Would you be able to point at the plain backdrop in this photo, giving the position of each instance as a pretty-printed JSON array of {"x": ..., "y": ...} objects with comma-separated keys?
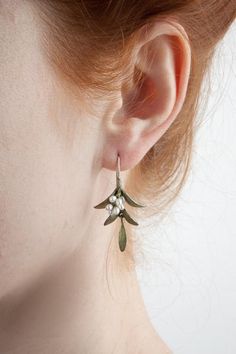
[{"x": 189, "y": 277}]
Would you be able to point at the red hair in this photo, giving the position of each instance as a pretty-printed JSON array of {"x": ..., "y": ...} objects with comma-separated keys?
[{"x": 89, "y": 43}]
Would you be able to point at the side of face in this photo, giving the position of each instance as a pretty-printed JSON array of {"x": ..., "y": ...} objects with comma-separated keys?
[
  {"x": 43, "y": 191},
  {"x": 54, "y": 146}
]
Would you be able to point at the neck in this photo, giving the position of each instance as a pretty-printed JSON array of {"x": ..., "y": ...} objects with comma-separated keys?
[{"x": 88, "y": 303}]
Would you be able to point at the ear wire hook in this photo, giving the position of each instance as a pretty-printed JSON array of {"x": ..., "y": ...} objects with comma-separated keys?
[{"x": 118, "y": 180}]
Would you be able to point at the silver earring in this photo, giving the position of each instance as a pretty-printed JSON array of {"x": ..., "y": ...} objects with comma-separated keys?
[{"x": 114, "y": 204}]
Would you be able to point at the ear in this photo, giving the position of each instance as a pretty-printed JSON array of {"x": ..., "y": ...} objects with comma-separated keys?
[{"x": 162, "y": 55}]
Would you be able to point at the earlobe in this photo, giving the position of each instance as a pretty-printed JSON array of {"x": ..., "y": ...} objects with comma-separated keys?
[{"x": 149, "y": 106}]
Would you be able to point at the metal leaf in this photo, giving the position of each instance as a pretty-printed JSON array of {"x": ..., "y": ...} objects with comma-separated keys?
[
  {"x": 130, "y": 201},
  {"x": 128, "y": 218},
  {"x": 122, "y": 237},
  {"x": 105, "y": 202},
  {"x": 110, "y": 219}
]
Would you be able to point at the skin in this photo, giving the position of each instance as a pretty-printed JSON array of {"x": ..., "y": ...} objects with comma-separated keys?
[{"x": 58, "y": 293}]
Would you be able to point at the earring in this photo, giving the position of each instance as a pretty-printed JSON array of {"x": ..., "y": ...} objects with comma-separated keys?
[{"x": 114, "y": 204}]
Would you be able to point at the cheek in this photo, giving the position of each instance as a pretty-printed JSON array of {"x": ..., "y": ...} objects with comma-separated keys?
[{"x": 42, "y": 193}]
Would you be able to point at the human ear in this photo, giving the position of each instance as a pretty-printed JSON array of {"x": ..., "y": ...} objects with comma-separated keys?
[{"x": 162, "y": 55}]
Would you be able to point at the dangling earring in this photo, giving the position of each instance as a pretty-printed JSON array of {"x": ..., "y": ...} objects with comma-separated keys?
[{"x": 114, "y": 204}]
